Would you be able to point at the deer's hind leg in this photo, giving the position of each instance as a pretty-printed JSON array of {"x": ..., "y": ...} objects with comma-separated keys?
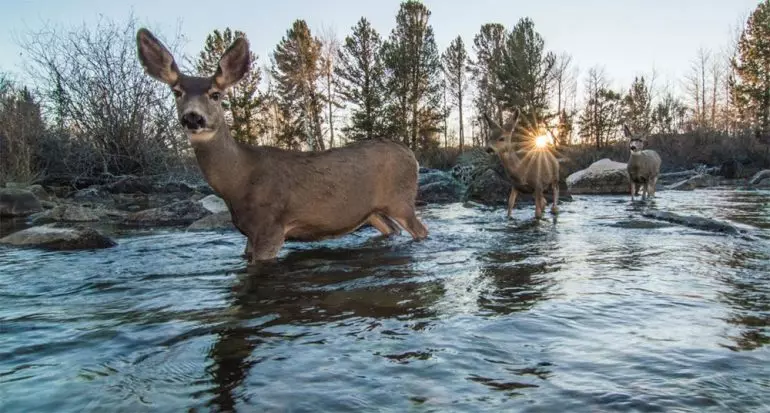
[
  {"x": 405, "y": 215},
  {"x": 555, "y": 206},
  {"x": 266, "y": 241},
  {"x": 384, "y": 224},
  {"x": 539, "y": 203}
]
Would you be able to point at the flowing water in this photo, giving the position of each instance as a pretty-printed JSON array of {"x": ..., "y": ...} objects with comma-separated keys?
[{"x": 602, "y": 310}]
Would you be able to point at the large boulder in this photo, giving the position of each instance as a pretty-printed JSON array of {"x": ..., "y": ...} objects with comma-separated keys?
[
  {"x": 438, "y": 187},
  {"x": 695, "y": 182},
  {"x": 56, "y": 237},
  {"x": 218, "y": 221},
  {"x": 603, "y": 177},
  {"x": 65, "y": 213},
  {"x": 178, "y": 213},
  {"x": 16, "y": 202},
  {"x": 213, "y": 204}
]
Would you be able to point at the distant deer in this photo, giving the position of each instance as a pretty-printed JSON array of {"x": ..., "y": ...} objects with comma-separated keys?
[
  {"x": 643, "y": 165},
  {"x": 274, "y": 194},
  {"x": 532, "y": 170}
]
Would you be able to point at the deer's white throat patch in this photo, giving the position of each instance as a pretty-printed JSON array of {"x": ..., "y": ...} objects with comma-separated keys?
[{"x": 201, "y": 136}]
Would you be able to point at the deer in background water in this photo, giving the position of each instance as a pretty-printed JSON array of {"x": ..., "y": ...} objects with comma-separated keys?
[
  {"x": 273, "y": 194},
  {"x": 643, "y": 165},
  {"x": 532, "y": 170}
]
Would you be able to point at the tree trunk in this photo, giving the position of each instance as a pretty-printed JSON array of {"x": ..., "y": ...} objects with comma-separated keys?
[{"x": 460, "y": 109}]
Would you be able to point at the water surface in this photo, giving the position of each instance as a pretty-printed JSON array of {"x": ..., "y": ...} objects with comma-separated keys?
[{"x": 602, "y": 310}]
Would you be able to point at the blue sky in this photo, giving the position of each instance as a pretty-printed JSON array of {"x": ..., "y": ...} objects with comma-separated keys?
[{"x": 627, "y": 37}]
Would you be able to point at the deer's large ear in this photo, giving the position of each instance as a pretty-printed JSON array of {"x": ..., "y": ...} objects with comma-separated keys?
[
  {"x": 513, "y": 121},
  {"x": 234, "y": 64},
  {"x": 155, "y": 58},
  {"x": 627, "y": 131},
  {"x": 492, "y": 124}
]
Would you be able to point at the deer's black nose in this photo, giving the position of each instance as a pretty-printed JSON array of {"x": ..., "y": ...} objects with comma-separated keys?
[{"x": 192, "y": 120}]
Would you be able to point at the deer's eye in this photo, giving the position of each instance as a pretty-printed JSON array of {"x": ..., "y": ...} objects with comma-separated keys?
[
  {"x": 215, "y": 95},
  {"x": 177, "y": 93}
]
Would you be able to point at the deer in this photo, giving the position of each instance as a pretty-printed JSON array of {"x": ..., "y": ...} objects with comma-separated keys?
[
  {"x": 276, "y": 195},
  {"x": 532, "y": 170},
  {"x": 643, "y": 165}
]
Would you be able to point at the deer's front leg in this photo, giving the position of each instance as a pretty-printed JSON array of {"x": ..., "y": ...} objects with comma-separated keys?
[
  {"x": 512, "y": 200},
  {"x": 247, "y": 252},
  {"x": 555, "y": 207},
  {"x": 633, "y": 190},
  {"x": 266, "y": 241},
  {"x": 539, "y": 204}
]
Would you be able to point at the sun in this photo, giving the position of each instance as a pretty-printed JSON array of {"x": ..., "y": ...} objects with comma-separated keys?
[{"x": 542, "y": 141}]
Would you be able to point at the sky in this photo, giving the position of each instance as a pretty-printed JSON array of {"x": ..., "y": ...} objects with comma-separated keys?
[{"x": 625, "y": 37}]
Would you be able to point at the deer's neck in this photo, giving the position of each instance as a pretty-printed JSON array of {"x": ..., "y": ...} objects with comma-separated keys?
[
  {"x": 510, "y": 160},
  {"x": 221, "y": 161}
]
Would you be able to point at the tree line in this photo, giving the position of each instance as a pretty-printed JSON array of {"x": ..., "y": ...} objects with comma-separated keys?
[{"x": 95, "y": 111}]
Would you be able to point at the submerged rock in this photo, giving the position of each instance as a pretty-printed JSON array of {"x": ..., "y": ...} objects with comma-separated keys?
[
  {"x": 220, "y": 220},
  {"x": 603, "y": 177},
  {"x": 761, "y": 177},
  {"x": 16, "y": 202},
  {"x": 706, "y": 224},
  {"x": 55, "y": 237}
]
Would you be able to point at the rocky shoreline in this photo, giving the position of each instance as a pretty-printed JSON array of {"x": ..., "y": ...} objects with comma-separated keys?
[{"x": 63, "y": 217}]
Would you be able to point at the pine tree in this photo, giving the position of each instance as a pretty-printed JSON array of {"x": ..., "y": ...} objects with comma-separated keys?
[
  {"x": 361, "y": 79},
  {"x": 242, "y": 101},
  {"x": 525, "y": 74},
  {"x": 488, "y": 47},
  {"x": 412, "y": 60},
  {"x": 751, "y": 89},
  {"x": 455, "y": 60},
  {"x": 297, "y": 72},
  {"x": 637, "y": 105}
]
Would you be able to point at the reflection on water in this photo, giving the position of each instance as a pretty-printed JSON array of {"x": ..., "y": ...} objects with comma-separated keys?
[{"x": 601, "y": 310}]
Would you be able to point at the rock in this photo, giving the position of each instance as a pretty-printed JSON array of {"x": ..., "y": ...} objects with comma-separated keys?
[
  {"x": 697, "y": 181},
  {"x": 178, "y": 213},
  {"x": 604, "y": 176},
  {"x": 706, "y": 224},
  {"x": 174, "y": 187},
  {"x": 220, "y": 220},
  {"x": 65, "y": 213},
  {"x": 489, "y": 188},
  {"x": 438, "y": 187},
  {"x": 760, "y": 177},
  {"x": 55, "y": 237},
  {"x": 213, "y": 204},
  {"x": 130, "y": 185},
  {"x": 91, "y": 194},
  {"x": 18, "y": 203},
  {"x": 39, "y": 192}
]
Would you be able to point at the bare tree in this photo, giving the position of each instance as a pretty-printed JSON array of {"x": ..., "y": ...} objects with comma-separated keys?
[
  {"x": 330, "y": 46},
  {"x": 92, "y": 81}
]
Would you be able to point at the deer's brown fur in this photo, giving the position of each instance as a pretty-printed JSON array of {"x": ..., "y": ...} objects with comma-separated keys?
[
  {"x": 274, "y": 194},
  {"x": 643, "y": 165},
  {"x": 532, "y": 170}
]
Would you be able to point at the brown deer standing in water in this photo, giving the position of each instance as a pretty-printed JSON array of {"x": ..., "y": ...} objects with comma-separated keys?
[
  {"x": 532, "y": 170},
  {"x": 276, "y": 195},
  {"x": 643, "y": 165}
]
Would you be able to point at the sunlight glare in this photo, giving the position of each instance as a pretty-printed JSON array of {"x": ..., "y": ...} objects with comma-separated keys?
[{"x": 542, "y": 141}]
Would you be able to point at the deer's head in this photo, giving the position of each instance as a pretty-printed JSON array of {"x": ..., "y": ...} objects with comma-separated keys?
[
  {"x": 501, "y": 139},
  {"x": 198, "y": 99},
  {"x": 636, "y": 141}
]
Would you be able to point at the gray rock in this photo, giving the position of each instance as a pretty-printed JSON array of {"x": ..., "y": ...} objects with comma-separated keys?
[
  {"x": 213, "y": 204},
  {"x": 56, "y": 237},
  {"x": 220, "y": 220},
  {"x": 65, "y": 213},
  {"x": 603, "y": 177},
  {"x": 178, "y": 213},
  {"x": 39, "y": 192},
  {"x": 130, "y": 185},
  {"x": 436, "y": 187},
  {"x": 16, "y": 202}
]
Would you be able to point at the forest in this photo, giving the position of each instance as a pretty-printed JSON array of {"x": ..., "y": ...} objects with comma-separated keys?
[{"x": 86, "y": 107}]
